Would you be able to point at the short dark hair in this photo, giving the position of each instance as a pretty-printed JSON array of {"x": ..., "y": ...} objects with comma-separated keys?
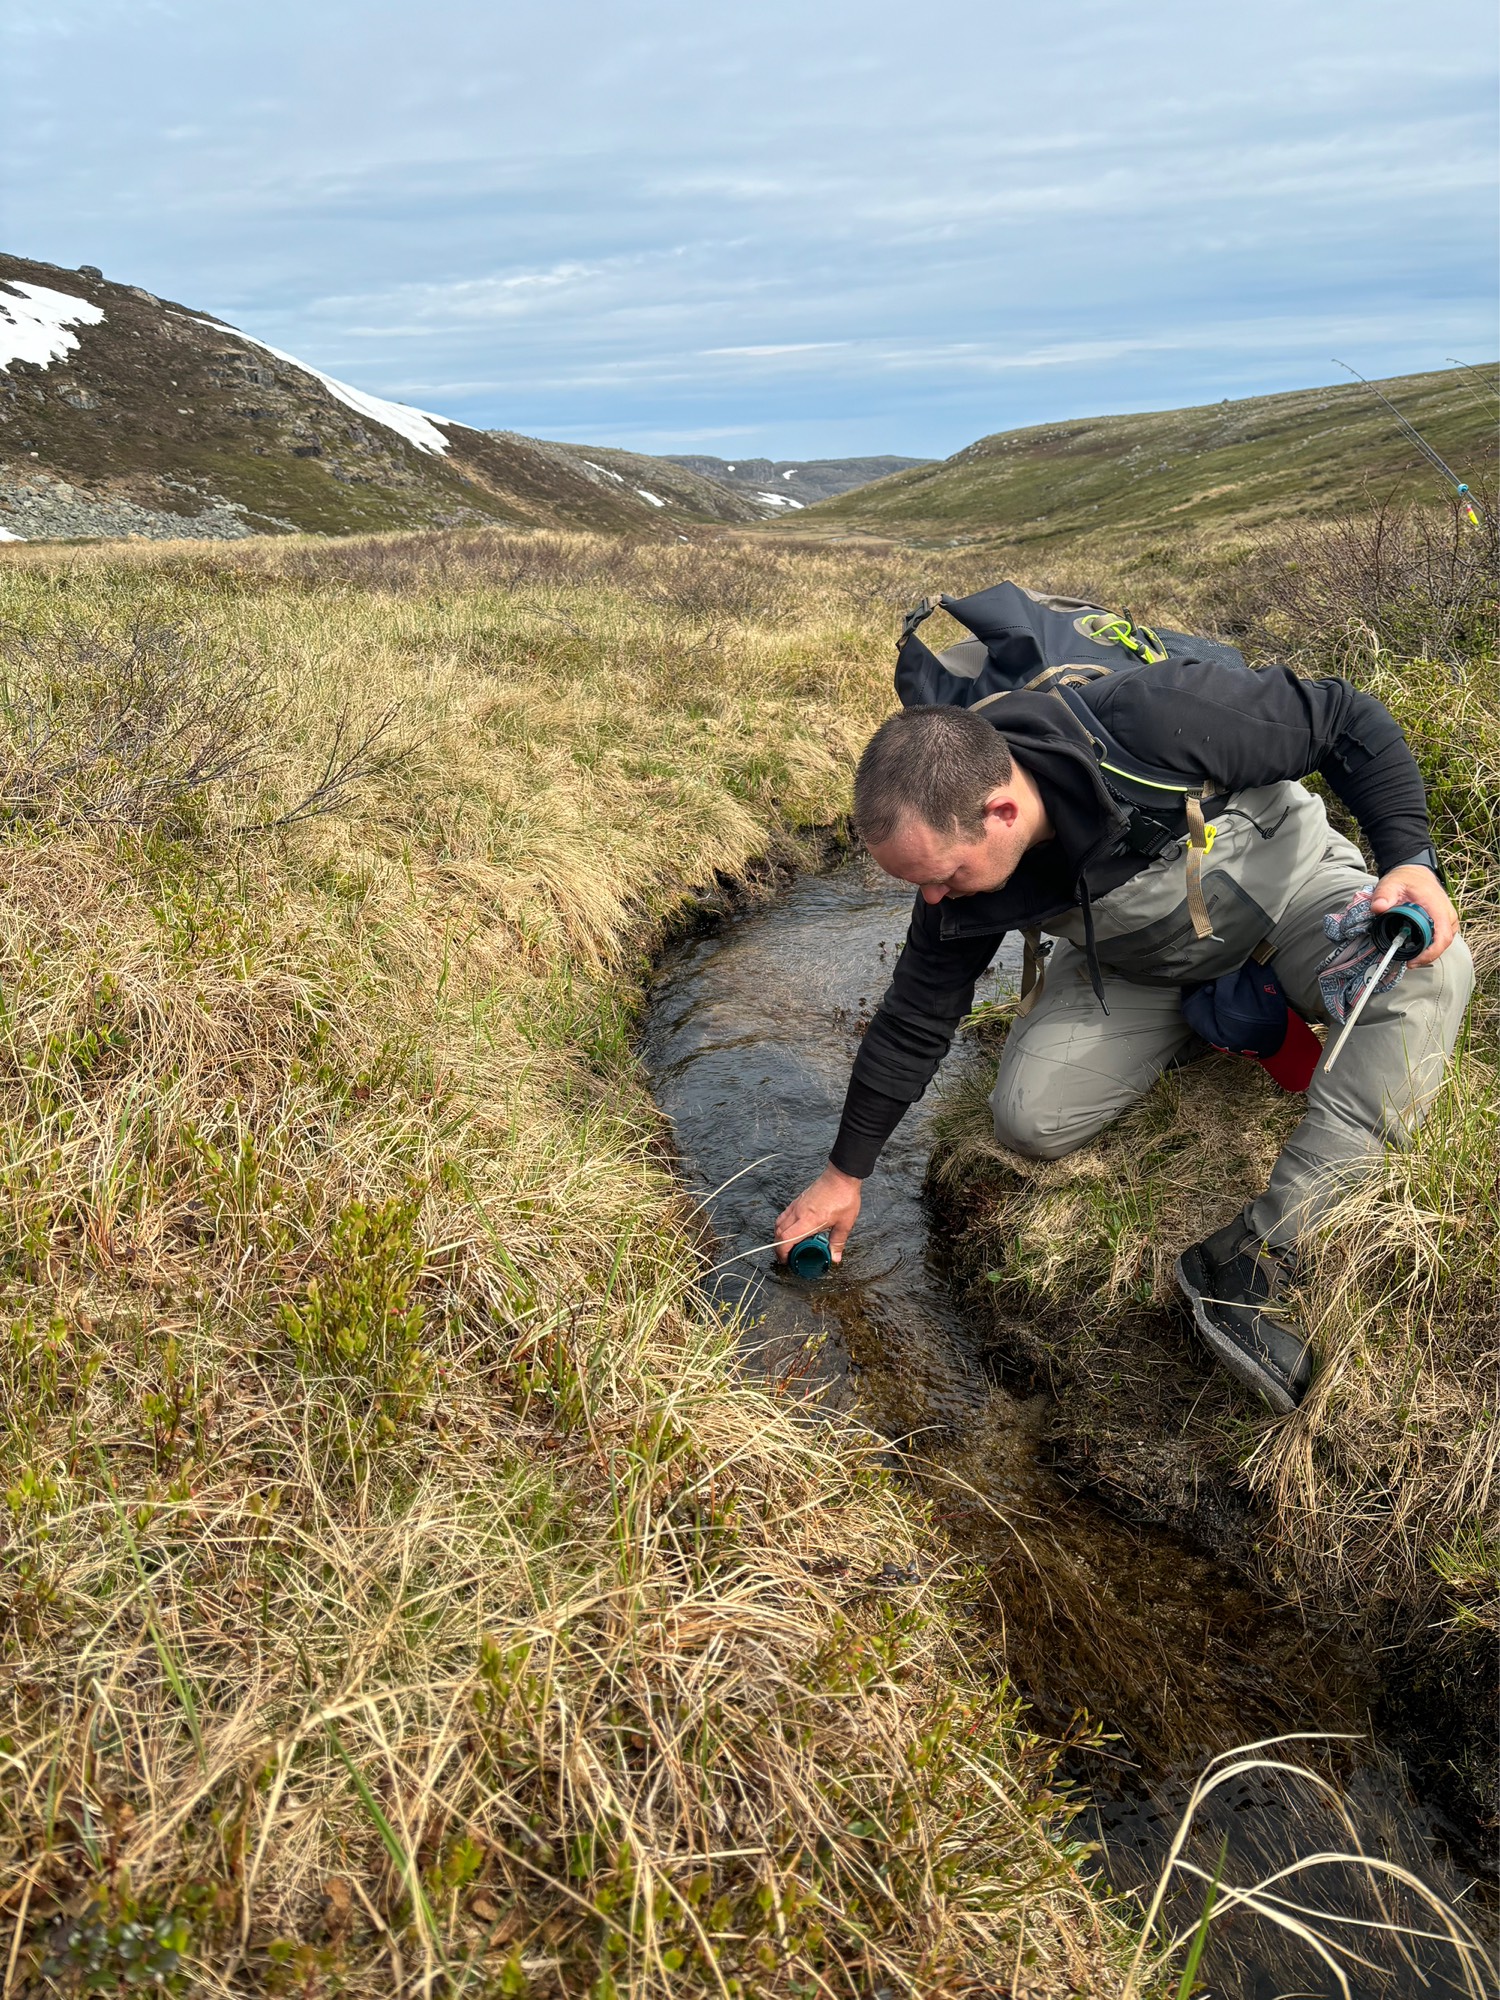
[{"x": 937, "y": 765}]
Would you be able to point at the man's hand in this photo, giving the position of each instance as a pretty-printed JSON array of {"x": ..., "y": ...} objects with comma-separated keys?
[
  {"x": 1412, "y": 883},
  {"x": 831, "y": 1203}
]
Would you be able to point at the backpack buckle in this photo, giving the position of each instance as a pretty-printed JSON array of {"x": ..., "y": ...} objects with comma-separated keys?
[{"x": 1146, "y": 835}]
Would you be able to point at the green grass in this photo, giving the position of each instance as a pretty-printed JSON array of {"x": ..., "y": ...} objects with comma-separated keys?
[
  {"x": 1221, "y": 467},
  {"x": 401, "y": 1591}
]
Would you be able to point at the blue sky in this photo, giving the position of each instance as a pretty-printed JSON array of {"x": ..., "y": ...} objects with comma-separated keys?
[{"x": 805, "y": 229}]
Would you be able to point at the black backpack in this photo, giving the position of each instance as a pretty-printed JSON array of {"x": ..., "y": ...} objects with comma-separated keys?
[{"x": 1026, "y": 640}]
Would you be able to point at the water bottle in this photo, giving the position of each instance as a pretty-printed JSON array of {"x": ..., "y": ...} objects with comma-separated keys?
[
  {"x": 811, "y": 1258},
  {"x": 1405, "y": 925}
]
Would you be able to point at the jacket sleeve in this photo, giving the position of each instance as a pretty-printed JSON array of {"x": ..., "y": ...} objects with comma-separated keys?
[
  {"x": 1236, "y": 728},
  {"x": 930, "y": 992}
]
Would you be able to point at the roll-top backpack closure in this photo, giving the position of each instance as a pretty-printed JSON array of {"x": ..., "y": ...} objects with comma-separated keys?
[{"x": 1025, "y": 639}]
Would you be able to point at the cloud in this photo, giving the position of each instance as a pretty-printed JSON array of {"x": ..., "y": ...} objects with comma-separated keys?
[
  {"x": 783, "y": 347},
  {"x": 805, "y": 227},
  {"x": 409, "y": 312}
]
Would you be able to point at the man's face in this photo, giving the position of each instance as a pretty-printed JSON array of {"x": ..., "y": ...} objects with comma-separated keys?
[{"x": 941, "y": 865}]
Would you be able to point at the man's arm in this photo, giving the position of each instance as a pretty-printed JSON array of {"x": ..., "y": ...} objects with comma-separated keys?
[
  {"x": 1237, "y": 729},
  {"x": 930, "y": 992}
]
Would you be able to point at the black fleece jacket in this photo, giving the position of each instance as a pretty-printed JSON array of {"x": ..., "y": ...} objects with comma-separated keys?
[{"x": 1227, "y": 726}]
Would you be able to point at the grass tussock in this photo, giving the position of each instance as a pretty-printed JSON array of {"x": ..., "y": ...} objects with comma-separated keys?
[
  {"x": 1387, "y": 1482},
  {"x": 400, "y": 1593},
  {"x": 1069, "y": 1263}
]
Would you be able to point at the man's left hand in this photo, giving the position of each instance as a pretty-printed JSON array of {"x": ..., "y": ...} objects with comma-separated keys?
[{"x": 1412, "y": 883}]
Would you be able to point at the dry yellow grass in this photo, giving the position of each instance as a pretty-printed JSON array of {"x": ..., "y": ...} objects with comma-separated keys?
[{"x": 400, "y": 1592}]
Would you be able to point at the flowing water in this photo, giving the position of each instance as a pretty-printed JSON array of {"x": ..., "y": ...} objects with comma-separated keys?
[{"x": 748, "y": 1044}]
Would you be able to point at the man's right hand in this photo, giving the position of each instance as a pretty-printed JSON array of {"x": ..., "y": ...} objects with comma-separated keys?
[{"x": 831, "y": 1204}]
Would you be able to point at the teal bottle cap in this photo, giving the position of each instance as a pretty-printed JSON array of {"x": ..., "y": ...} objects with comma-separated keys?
[{"x": 1407, "y": 926}]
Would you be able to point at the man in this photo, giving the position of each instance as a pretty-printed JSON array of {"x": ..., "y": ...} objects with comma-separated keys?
[{"x": 1003, "y": 820}]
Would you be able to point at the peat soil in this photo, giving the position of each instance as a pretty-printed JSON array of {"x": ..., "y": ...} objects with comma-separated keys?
[{"x": 1143, "y": 1655}]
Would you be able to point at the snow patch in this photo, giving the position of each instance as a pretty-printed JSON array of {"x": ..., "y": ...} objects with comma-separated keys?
[
  {"x": 780, "y": 500},
  {"x": 620, "y": 480},
  {"x": 790, "y": 475},
  {"x": 418, "y": 427},
  {"x": 7, "y": 536},
  {"x": 33, "y": 327}
]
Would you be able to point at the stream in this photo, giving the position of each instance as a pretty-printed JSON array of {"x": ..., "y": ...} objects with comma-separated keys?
[{"x": 748, "y": 1043}]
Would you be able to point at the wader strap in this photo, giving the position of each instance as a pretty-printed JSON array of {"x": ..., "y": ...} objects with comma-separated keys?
[
  {"x": 1264, "y": 952},
  {"x": 1197, "y": 847},
  {"x": 1033, "y": 973}
]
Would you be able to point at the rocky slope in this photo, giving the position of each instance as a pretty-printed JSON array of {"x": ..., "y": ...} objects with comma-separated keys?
[
  {"x": 665, "y": 485},
  {"x": 122, "y": 414},
  {"x": 786, "y": 485}
]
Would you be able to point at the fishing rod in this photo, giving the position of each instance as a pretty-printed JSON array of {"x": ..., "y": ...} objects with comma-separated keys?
[
  {"x": 1486, "y": 388},
  {"x": 1433, "y": 458}
]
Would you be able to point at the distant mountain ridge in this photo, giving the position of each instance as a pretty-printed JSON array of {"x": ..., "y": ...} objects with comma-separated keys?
[
  {"x": 125, "y": 414},
  {"x": 1235, "y": 464},
  {"x": 785, "y": 485}
]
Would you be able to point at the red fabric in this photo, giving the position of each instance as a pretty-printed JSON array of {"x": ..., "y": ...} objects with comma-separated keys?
[{"x": 1297, "y": 1058}]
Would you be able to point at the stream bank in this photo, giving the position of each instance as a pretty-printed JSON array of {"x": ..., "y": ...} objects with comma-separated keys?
[
  {"x": 1066, "y": 1297},
  {"x": 1171, "y": 1652}
]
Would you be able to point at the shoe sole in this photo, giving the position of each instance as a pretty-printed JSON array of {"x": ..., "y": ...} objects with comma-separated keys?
[{"x": 1229, "y": 1355}]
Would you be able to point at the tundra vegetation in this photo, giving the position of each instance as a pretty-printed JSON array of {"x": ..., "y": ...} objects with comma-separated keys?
[
  {"x": 1247, "y": 466},
  {"x": 402, "y": 1590}
]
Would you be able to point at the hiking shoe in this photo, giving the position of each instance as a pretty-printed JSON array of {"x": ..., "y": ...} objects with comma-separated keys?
[{"x": 1230, "y": 1280}]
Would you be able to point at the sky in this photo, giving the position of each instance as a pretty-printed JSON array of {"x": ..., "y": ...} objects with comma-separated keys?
[{"x": 799, "y": 228}]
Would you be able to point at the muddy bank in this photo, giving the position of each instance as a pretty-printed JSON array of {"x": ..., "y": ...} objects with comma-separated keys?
[{"x": 1144, "y": 1653}]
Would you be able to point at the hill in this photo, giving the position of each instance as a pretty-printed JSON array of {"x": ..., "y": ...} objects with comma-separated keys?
[
  {"x": 122, "y": 414},
  {"x": 786, "y": 485},
  {"x": 1222, "y": 465},
  {"x": 665, "y": 485}
]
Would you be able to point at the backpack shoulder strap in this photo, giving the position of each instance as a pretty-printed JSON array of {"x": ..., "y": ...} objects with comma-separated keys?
[
  {"x": 1131, "y": 778},
  {"x": 1162, "y": 804}
]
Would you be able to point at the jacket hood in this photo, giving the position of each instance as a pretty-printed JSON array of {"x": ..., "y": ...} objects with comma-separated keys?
[{"x": 1087, "y": 822}]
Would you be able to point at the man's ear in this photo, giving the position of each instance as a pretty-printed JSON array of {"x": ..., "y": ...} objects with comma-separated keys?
[{"x": 1001, "y": 805}]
